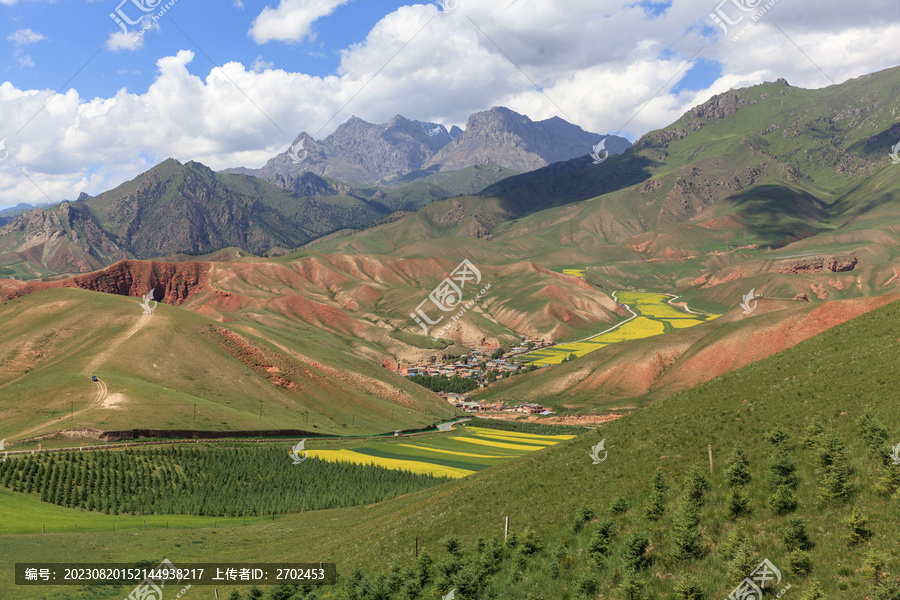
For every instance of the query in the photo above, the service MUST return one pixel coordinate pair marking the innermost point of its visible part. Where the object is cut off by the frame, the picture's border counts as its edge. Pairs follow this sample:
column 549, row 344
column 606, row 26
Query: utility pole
column 260, row 410
column 307, row 418
column 195, row 411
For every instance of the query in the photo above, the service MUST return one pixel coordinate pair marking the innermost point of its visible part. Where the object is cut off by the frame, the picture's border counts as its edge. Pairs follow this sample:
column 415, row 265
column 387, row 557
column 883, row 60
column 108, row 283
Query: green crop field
column 461, row 454
column 654, row 317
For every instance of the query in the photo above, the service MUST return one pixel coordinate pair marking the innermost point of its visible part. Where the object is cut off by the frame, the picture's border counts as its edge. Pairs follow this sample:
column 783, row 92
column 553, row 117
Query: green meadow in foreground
column 802, row 477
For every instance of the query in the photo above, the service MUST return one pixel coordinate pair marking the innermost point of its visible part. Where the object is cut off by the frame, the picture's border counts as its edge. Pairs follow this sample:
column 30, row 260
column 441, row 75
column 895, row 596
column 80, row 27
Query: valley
column 477, row 363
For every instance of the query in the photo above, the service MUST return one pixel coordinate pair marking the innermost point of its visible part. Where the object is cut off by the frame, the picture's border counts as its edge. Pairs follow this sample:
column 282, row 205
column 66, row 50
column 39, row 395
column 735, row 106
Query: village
column 451, row 377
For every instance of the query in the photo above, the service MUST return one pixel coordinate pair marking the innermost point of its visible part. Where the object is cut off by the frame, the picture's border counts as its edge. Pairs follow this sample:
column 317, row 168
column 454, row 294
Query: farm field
column 654, row 316
column 100, row 490
column 463, row 453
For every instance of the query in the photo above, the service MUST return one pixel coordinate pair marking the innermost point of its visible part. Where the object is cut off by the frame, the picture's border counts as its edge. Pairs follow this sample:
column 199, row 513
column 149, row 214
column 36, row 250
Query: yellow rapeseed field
column 389, row 463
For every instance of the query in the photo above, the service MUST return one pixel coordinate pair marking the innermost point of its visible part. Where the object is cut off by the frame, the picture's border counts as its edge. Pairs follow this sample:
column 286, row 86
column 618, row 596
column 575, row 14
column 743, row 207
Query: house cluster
column 470, row 365
column 465, row 403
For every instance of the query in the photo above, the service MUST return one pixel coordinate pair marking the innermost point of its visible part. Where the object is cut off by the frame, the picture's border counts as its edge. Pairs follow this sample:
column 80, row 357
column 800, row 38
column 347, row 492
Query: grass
column 831, row 377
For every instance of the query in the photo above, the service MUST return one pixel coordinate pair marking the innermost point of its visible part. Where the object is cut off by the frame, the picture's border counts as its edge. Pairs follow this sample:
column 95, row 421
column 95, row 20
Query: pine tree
column 687, row 587
column 695, row 485
column 635, row 555
column 656, row 504
column 783, row 500
column 737, row 472
column 859, row 528
column 685, row 532
column 833, row 467
column 795, row 536
column 738, row 503
column 631, row 588
column 874, row 433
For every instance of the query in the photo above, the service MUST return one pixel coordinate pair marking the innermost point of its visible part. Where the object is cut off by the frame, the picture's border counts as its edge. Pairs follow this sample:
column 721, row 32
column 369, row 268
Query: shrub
column 815, row 591
column 631, row 588
column 619, row 506
column 687, row 587
column 685, row 532
column 810, row 437
column 859, row 528
column 656, row 504
column 744, row 560
column 833, row 467
column 875, row 567
column 586, row 585
column 585, row 515
column 799, row 563
column 738, row 503
column 531, row 542
column 635, row 554
column 782, row 468
column 776, row 436
column 795, row 536
column 598, row 548
column 452, row 545
column 695, row 485
column 886, row 590
column 738, row 470
column 874, row 433
column 783, row 500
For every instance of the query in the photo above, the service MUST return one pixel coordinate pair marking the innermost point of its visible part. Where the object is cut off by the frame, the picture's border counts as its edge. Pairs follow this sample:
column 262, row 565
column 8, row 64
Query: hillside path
column 102, row 389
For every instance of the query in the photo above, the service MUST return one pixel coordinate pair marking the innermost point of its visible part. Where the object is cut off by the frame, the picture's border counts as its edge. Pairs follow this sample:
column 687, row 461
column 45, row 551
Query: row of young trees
column 614, row 554
column 206, row 482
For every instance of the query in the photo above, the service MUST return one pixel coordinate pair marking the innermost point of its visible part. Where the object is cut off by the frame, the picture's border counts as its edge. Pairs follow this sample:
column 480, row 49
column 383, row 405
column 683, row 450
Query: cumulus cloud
column 613, row 70
column 291, row 20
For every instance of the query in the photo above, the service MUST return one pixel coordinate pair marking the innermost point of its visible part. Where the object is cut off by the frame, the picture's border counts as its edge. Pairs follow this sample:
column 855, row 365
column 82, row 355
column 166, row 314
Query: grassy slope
column 831, row 377
column 55, row 335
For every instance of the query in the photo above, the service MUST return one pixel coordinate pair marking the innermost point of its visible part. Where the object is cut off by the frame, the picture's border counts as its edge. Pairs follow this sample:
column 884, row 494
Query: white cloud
column 125, row 40
column 610, row 70
column 260, row 65
column 23, row 37
column 291, row 21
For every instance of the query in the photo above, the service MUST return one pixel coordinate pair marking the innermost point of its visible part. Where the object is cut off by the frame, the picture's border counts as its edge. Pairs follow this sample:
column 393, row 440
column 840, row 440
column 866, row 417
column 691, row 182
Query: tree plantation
column 206, row 482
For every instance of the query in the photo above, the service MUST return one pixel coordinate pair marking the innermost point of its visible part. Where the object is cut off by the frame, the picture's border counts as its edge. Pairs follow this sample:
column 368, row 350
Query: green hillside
column 239, row 377
column 805, row 407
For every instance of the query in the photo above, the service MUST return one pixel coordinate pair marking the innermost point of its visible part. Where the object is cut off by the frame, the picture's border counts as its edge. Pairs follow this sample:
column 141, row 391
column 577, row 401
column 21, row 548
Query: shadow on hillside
column 778, row 215
column 569, row 181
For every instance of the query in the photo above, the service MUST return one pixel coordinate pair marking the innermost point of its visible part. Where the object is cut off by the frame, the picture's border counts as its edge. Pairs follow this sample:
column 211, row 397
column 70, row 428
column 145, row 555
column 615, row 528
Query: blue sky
column 126, row 102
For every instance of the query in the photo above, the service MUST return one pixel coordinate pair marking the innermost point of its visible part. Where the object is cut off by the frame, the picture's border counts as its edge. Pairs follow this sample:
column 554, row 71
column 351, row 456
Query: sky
column 95, row 92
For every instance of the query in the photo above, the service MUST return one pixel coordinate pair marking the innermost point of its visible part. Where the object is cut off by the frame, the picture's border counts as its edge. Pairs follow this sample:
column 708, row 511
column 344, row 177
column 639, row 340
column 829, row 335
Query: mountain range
column 403, row 150
column 187, row 208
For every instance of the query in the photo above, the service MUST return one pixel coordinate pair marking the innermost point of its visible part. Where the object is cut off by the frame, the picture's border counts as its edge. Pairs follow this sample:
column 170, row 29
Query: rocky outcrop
column 172, row 283
column 820, row 264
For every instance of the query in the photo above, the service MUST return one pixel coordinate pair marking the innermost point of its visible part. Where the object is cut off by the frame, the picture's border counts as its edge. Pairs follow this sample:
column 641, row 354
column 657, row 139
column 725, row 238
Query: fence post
column 506, row 529
column 710, row 458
